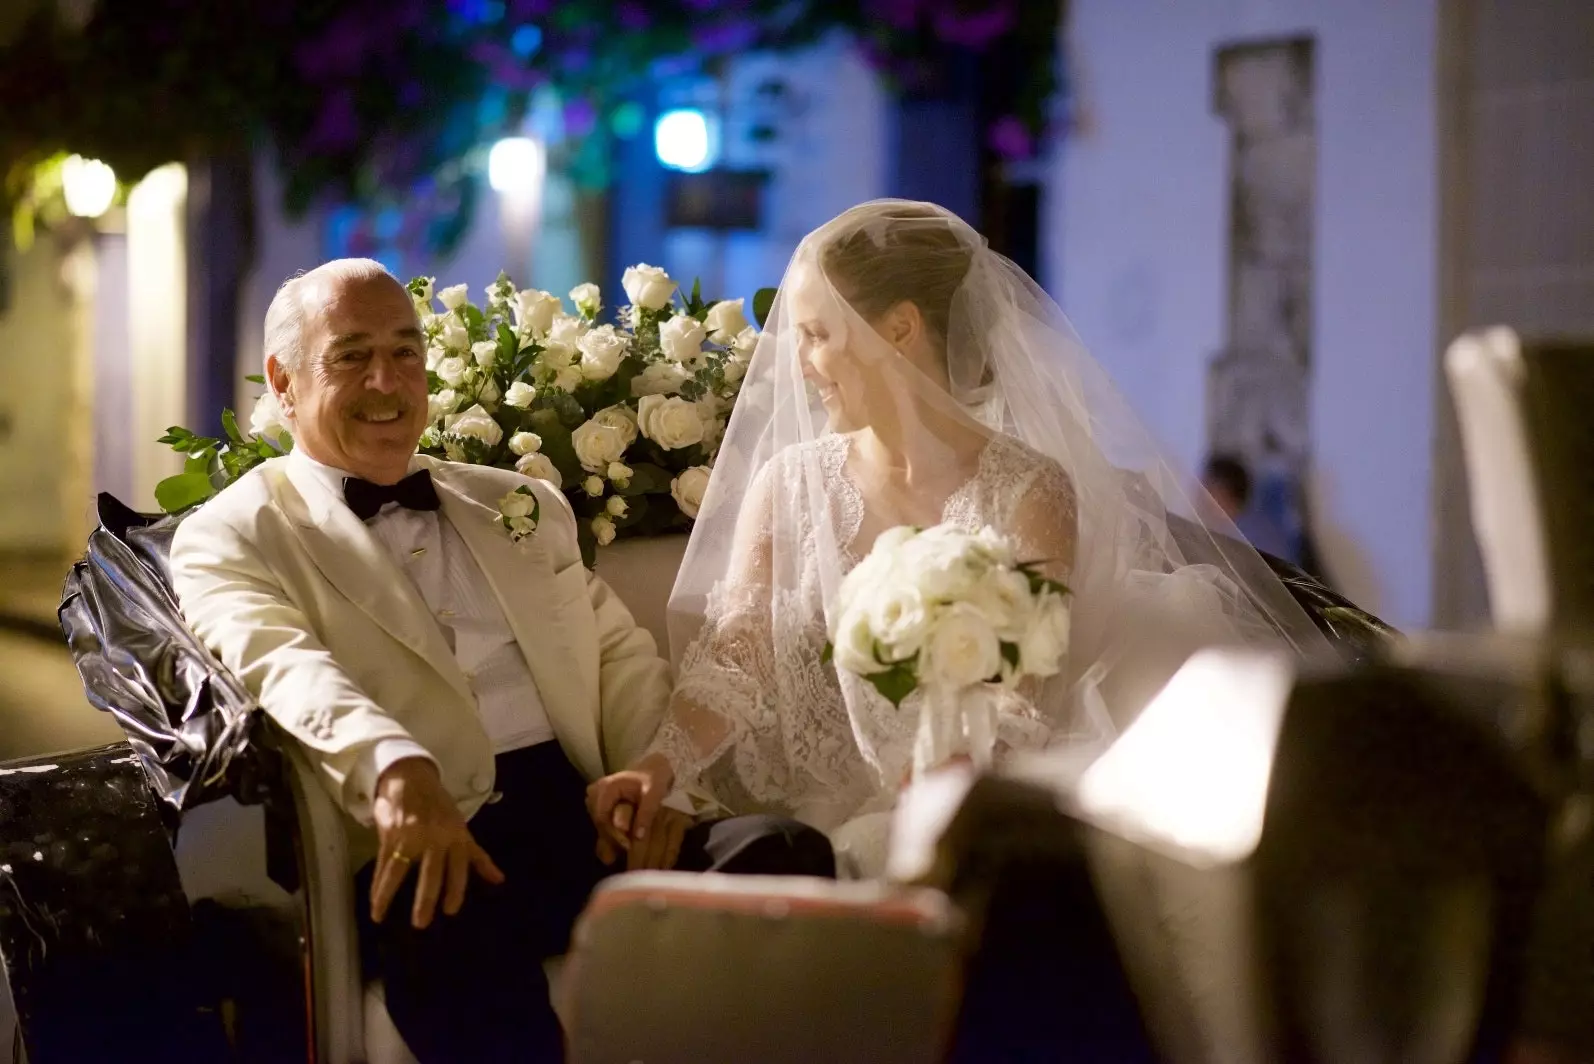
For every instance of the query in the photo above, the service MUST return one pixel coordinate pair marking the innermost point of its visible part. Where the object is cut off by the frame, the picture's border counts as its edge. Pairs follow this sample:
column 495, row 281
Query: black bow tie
column 414, row 492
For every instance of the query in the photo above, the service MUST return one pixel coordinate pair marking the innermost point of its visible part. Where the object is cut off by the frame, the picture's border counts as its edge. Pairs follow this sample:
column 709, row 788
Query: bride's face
column 831, row 362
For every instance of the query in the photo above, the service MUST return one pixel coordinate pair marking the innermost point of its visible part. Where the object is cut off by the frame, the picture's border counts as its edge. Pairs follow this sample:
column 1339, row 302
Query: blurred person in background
column 1228, row 481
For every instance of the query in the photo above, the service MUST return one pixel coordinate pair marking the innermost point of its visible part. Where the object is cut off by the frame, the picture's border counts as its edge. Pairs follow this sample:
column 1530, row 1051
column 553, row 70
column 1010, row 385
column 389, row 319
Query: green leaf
column 895, row 684
column 473, row 319
column 1010, row 654
column 508, row 348
column 178, row 493
column 763, row 301
column 199, row 463
column 255, row 378
column 229, row 424
column 827, row 655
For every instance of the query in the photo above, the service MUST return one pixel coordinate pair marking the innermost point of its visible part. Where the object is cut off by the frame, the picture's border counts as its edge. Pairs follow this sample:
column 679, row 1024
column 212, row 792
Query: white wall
column 1136, row 245
column 36, row 349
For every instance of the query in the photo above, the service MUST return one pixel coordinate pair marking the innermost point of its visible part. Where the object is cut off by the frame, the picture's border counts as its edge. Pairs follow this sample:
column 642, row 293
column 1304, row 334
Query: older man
column 456, row 688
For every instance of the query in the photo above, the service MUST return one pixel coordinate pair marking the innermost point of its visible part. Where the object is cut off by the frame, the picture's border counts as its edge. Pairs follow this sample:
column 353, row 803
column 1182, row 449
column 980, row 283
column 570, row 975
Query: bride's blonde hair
column 907, row 254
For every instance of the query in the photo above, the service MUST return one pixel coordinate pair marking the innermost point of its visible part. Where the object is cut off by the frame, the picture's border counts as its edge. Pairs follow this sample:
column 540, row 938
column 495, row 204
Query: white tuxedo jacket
column 296, row 596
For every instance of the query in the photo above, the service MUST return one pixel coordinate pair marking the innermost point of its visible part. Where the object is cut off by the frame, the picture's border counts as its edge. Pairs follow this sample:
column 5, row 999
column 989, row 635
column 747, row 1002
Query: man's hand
column 417, row 823
column 662, row 846
column 624, row 805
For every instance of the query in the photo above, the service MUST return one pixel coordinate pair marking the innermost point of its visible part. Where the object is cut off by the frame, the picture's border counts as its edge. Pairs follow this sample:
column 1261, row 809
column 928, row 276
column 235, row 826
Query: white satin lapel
column 522, row 577
column 355, row 563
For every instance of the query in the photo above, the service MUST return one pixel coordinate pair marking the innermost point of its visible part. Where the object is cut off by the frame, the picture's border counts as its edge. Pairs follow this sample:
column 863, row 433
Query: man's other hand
column 623, row 805
column 418, row 825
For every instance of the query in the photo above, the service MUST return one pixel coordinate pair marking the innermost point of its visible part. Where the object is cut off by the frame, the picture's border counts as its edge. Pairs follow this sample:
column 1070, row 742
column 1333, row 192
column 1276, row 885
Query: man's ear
column 281, row 382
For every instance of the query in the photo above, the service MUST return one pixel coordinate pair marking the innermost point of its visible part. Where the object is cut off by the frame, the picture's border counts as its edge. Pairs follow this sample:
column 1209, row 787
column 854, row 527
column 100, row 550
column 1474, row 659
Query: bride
column 908, row 375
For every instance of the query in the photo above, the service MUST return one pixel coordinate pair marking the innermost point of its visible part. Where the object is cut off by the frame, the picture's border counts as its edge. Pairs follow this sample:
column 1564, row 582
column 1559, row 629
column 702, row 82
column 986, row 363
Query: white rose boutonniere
column 540, row 467
column 603, row 529
column 726, row 320
column 687, row 489
column 602, row 350
column 596, row 445
column 518, row 513
column 681, row 339
column 669, row 421
column 647, row 286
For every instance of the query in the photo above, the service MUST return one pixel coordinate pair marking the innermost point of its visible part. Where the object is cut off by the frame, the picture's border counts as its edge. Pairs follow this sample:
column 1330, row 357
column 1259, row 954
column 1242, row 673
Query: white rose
column 534, row 312
column 521, row 527
column 540, row 466
column 620, row 474
column 688, row 488
column 854, row 646
column 454, row 296
column 451, row 371
column 658, row 378
column 725, row 321
column 267, row 420
column 567, row 330
column 603, row 529
column 523, row 443
column 671, row 422
column 517, row 503
column 557, row 356
column 593, row 486
column 434, row 355
column 597, row 445
column 621, row 417
column 441, row 405
column 520, row 395
column 647, row 286
column 900, row 620
column 485, row 353
column 1004, row 598
column 1041, row 649
column 602, row 349
column 681, row 339
column 734, row 370
column 744, row 344
column 587, row 298
column 454, row 336
column 488, row 395
column 962, row 649
column 616, row 506
column 569, row 379
column 479, row 424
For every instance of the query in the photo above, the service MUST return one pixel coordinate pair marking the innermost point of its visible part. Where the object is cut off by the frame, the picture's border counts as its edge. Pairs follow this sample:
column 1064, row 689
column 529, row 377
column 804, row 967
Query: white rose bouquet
column 625, row 418
column 946, row 612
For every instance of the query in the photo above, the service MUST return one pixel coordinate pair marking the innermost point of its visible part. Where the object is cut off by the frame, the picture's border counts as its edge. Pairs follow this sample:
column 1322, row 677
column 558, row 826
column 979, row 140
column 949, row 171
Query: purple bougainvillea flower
column 1010, row 138
column 975, row 29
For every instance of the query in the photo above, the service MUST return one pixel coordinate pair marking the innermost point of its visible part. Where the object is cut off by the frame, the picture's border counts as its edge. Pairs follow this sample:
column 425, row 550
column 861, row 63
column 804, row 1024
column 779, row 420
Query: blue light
column 525, row 41
column 684, row 139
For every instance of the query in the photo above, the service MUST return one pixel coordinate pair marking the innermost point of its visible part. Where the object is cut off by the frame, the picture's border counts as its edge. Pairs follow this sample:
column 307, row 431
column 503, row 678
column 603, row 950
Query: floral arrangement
column 626, row 417
column 946, row 609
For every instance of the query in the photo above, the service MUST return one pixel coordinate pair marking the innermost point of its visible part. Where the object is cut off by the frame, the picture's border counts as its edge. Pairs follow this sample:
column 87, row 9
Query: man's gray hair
column 285, row 318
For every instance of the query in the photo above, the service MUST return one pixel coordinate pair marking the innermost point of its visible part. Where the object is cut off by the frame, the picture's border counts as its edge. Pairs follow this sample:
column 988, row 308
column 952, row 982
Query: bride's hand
column 623, row 805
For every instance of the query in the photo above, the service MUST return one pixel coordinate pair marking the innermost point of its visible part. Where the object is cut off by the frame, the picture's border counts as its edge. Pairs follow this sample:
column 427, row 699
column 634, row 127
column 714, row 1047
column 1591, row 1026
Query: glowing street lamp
column 88, row 185
column 684, row 139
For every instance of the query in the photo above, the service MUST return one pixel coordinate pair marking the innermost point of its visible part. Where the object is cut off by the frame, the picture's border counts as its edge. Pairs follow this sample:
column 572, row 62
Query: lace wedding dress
column 760, row 722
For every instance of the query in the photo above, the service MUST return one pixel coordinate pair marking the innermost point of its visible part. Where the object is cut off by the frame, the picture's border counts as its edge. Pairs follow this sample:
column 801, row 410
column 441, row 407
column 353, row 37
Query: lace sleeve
column 728, row 668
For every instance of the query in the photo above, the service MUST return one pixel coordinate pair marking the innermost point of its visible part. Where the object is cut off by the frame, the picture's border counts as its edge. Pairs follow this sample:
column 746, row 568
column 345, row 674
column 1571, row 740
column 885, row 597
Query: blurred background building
column 1266, row 217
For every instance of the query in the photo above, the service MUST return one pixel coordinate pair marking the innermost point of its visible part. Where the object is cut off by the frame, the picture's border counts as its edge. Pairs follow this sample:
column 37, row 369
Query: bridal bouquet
column 947, row 612
column 626, row 417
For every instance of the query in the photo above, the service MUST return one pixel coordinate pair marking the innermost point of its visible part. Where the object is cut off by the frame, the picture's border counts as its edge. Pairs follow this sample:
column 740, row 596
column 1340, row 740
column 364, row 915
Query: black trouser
column 471, row 986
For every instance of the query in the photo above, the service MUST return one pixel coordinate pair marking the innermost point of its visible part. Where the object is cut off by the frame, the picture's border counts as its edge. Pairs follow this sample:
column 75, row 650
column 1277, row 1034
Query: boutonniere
column 518, row 513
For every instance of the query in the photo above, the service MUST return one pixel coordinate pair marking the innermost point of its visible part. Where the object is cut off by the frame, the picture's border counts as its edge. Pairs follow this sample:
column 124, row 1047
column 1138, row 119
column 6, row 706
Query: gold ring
column 400, row 857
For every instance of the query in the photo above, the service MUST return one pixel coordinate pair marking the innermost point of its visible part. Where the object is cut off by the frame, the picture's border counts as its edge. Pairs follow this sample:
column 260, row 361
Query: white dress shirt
column 426, row 547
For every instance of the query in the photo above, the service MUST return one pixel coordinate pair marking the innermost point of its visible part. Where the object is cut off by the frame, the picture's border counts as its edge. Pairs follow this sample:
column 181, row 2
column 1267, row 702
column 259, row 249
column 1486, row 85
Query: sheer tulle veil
column 1155, row 570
